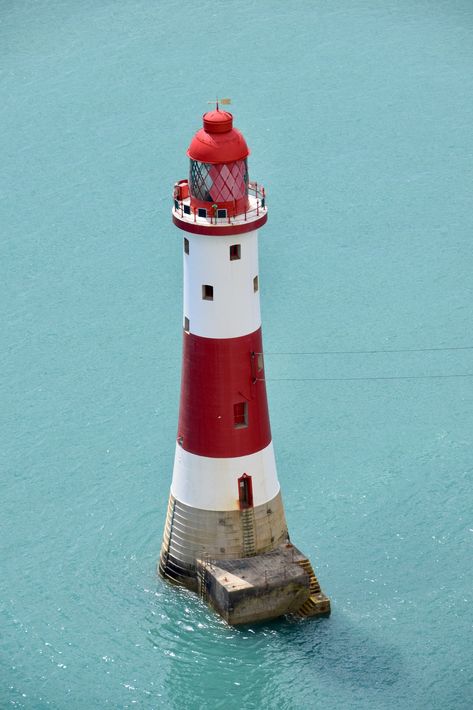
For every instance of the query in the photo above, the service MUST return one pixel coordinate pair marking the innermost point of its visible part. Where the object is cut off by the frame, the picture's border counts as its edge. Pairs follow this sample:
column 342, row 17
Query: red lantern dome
column 218, row 141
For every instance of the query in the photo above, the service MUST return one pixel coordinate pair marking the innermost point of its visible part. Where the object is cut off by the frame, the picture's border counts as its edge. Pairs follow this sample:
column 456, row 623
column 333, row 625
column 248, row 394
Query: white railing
column 257, row 207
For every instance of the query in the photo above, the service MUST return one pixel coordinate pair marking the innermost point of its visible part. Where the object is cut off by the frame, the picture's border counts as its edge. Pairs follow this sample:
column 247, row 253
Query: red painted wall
column 216, row 374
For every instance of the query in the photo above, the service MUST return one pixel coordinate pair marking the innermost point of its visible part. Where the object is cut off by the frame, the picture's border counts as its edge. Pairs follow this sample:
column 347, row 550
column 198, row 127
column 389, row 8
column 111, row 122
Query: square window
column 187, row 209
column 207, row 292
column 186, row 245
column 235, row 252
column 255, row 284
column 221, row 213
column 202, row 212
column 186, row 324
column 240, row 415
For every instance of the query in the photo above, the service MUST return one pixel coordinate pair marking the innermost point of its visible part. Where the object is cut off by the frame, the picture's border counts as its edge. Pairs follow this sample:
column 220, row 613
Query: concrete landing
column 262, row 587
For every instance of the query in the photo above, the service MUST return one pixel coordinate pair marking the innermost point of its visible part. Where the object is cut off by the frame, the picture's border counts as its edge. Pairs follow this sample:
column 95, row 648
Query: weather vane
column 220, row 102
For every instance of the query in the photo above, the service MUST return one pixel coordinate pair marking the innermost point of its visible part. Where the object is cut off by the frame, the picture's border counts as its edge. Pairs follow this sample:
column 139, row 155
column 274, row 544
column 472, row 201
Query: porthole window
column 255, row 284
column 235, row 252
column 202, row 212
column 207, row 292
column 186, row 245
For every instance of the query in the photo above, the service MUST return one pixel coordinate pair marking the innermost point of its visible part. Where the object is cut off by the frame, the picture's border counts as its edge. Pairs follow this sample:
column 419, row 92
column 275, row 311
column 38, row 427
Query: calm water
column 359, row 116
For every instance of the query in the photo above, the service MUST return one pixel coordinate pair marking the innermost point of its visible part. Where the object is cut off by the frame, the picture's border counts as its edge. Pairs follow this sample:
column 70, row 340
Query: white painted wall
column 235, row 310
column 212, row 484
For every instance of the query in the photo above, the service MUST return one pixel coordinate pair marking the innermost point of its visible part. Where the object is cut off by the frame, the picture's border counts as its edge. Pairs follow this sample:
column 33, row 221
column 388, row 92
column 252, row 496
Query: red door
column 245, row 492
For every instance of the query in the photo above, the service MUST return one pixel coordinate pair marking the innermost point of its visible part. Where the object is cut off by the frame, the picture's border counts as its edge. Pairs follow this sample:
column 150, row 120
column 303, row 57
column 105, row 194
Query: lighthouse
column 225, row 534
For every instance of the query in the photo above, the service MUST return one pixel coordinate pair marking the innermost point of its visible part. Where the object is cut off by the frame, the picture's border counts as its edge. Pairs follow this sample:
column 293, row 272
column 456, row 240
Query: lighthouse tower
column 225, row 502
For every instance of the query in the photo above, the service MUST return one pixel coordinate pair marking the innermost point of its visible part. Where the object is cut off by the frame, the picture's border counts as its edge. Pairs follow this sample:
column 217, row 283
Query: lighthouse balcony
column 215, row 218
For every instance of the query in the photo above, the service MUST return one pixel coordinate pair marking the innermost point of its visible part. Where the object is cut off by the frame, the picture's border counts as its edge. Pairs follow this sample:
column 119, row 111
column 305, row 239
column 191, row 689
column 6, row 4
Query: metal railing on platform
column 257, row 200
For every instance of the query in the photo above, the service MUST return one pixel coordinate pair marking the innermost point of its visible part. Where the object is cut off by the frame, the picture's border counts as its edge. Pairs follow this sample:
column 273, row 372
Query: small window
column 207, row 292
column 235, row 252
column 176, row 204
column 186, row 245
column 187, row 209
column 221, row 213
column 186, row 324
column 202, row 212
column 240, row 415
column 255, row 284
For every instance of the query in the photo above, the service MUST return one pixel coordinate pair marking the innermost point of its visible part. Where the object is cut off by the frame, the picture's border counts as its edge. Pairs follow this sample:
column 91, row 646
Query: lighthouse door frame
column 245, row 492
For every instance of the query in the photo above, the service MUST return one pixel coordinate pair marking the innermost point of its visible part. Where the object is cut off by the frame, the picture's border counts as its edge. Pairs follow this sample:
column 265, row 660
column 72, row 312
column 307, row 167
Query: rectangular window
column 176, row 204
column 221, row 213
column 240, row 415
column 186, row 324
column 235, row 252
column 207, row 292
column 202, row 212
column 186, row 245
column 255, row 284
column 187, row 209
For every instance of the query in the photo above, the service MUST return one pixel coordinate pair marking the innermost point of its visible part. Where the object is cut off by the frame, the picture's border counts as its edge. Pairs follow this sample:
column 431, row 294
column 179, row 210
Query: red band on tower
column 224, row 408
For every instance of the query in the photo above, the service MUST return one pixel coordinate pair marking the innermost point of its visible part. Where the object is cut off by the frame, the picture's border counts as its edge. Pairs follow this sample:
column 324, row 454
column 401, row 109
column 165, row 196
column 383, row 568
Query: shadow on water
column 347, row 653
column 336, row 647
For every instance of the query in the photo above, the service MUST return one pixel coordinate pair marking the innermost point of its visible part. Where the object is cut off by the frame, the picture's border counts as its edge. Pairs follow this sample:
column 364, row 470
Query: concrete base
column 191, row 534
column 262, row 587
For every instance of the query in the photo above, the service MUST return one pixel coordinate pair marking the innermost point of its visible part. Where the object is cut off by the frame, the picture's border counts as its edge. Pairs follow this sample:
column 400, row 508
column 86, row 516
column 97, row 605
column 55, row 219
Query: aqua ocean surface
column 359, row 117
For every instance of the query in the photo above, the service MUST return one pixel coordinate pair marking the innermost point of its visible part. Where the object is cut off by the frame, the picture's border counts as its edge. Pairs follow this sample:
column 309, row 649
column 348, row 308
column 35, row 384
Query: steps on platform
column 317, row 604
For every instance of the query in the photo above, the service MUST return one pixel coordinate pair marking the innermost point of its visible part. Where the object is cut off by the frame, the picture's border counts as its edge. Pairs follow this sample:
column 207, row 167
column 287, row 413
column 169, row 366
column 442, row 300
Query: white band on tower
column 221, row 285
column 211, row 483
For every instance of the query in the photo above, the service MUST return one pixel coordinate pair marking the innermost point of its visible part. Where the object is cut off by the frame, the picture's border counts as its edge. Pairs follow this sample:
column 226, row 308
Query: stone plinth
column 258, row 588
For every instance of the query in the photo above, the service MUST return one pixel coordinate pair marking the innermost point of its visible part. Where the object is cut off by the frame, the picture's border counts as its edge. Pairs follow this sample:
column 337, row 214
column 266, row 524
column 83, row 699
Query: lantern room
column 218, row 197
column 218, row 175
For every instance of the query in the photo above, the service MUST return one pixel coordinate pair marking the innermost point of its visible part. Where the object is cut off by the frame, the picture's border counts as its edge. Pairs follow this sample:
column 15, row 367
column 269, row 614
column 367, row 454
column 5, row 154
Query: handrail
column 255, row 191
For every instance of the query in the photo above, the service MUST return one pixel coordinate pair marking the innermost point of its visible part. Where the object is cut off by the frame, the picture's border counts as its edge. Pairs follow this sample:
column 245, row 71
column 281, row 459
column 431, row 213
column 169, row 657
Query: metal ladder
column 248, row 532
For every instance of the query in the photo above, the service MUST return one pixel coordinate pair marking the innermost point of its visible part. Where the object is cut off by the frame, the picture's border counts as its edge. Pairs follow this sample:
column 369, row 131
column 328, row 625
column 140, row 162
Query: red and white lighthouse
column 225, row 500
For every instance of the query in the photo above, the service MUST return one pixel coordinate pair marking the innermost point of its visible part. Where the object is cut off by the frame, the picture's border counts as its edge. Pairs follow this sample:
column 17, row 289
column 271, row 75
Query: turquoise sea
column 359, row 117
